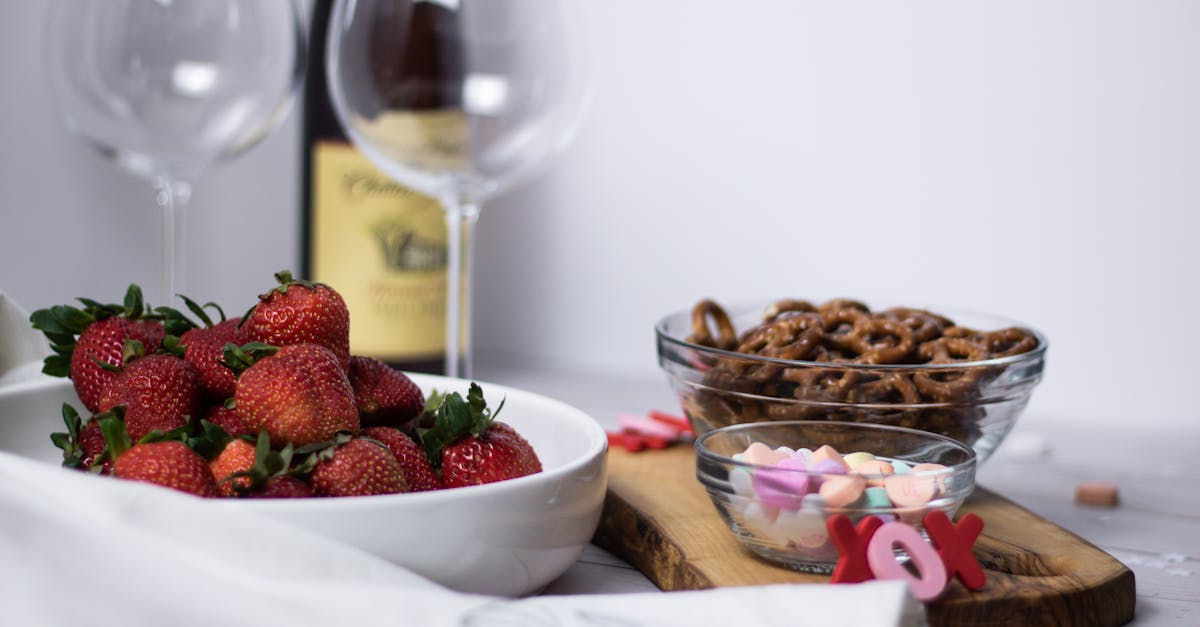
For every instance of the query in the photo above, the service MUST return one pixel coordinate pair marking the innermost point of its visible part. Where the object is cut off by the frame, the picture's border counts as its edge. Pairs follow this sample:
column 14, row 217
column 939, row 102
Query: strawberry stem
column 455, row 418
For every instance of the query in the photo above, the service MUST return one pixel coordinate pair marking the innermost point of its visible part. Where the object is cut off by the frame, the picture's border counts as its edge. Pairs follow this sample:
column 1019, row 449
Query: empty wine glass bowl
column 168, row 88
column 458, row 99
column 975, row 402
column 779, row 511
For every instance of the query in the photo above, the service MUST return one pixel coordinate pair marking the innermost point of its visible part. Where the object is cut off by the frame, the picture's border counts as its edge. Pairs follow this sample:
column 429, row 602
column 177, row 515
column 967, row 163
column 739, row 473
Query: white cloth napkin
column 81, row 549
column 21, row 347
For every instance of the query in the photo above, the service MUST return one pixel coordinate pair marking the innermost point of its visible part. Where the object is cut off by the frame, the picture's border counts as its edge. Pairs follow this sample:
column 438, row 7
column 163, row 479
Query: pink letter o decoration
column 883, row 562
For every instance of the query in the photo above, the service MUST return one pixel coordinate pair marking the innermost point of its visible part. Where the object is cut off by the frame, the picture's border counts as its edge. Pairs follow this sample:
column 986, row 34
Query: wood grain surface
column 659, row 518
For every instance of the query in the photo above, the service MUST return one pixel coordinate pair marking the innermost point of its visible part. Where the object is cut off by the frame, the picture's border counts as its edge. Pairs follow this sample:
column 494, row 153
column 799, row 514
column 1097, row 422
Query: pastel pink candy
column 827, row 452
column 783, row 486
column 828, row 467
column 874, row 469
column 763, row 455
column 842, row 490
column 910, row 490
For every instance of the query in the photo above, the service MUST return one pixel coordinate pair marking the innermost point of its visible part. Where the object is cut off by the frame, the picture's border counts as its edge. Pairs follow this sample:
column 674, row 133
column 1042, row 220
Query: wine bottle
column 379, row 243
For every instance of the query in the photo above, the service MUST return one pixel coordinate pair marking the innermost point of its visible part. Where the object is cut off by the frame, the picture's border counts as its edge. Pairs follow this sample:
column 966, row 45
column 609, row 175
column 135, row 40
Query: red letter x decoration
column 851, row 543
column 953, row 544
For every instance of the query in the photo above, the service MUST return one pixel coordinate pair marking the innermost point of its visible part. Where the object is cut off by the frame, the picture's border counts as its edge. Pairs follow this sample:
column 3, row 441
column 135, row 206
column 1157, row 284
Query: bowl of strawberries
column 479, row 487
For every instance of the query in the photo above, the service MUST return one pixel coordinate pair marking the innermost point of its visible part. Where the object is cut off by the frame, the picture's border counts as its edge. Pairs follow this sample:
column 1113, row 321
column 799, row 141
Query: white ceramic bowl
column 509, row 538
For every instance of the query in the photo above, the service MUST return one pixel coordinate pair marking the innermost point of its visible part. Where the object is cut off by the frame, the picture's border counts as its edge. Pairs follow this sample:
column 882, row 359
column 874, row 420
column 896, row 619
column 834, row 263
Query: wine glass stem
column 460, row 233
column 172, row 197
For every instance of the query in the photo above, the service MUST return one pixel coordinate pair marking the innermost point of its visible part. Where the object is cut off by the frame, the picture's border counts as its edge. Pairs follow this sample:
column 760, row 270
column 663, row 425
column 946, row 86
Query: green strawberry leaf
column 239, row 358
column 435, row 400
column 268, row 464
column 179, row 434
column 69, row 442
column 211, row 440
column 116, row 438
column 94, row 306
column 174, row 322
column 171, row 345
column 57, row 366
column 199, row 312
column 71, row 418
column 135, row 306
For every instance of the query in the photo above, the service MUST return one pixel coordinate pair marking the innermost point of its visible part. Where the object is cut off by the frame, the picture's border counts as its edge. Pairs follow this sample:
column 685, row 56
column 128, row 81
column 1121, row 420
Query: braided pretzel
column 786, row 306
column 726, row 339
column 1010, row 341
column 965, row 333
column 825, row 385
column 837, row 304
column 950, row 385
column 839, row 327
column 792, row 337
column 877, row 340
column 890, row 388
column 925, row 325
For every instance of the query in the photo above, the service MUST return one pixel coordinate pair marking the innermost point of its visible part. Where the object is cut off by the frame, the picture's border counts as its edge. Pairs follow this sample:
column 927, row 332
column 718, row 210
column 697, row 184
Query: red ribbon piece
column 954, row 543
column 851, row 543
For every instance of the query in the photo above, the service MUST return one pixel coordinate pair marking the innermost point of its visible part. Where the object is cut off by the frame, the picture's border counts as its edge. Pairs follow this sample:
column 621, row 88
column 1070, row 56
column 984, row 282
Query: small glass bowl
column 974, row 402
column 778, row 512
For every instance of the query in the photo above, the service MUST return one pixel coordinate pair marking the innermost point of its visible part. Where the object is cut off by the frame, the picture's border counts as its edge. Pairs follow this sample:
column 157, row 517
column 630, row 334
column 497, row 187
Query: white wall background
column 1036, row 159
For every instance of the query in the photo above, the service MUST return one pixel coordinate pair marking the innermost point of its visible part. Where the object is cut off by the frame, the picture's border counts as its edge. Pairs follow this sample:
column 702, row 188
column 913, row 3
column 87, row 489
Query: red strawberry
column 82, row 445
column 298, row 394
column 91, row 440
column 360, row 467
column 204, row 349
column 471, row 448
column 160, row 392
column 170, row 464
column 227, row 419
column 497, row 454
column 238, row 456
column 417, row 470
column 301, row 312
column 282, row 488
column 385, row 395
column 83, row 339
column 101, row 342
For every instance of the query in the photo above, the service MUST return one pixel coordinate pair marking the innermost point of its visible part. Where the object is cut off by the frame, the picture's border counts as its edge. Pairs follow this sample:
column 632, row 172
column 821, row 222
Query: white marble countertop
column 1155, row 530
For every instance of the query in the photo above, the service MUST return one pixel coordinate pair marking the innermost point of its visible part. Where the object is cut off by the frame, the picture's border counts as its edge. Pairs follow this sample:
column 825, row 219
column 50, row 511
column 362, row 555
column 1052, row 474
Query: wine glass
column 166, row 88
column 460, row 100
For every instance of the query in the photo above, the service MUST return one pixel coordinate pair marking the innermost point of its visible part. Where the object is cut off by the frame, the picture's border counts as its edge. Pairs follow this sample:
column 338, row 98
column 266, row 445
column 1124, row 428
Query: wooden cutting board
column 658, row 517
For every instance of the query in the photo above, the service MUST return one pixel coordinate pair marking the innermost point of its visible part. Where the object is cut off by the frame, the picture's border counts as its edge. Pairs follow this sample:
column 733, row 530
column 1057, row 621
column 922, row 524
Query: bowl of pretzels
column 963, row 375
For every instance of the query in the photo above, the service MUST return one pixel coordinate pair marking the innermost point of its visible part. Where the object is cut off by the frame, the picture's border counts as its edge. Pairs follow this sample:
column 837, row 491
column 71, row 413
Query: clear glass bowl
column 777, row 512
column 974, row 402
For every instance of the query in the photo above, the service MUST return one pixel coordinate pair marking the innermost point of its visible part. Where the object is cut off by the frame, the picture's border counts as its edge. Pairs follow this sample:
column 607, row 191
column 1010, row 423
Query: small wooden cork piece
column 1098, row 493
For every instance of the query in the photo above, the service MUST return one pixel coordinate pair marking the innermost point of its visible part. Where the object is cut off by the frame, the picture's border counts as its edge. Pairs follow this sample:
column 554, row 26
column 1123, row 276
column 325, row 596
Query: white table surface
column 1155, row 530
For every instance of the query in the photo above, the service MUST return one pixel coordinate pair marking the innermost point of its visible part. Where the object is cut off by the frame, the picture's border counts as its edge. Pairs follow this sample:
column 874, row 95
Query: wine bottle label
column 428, row 139
column 383, row 247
